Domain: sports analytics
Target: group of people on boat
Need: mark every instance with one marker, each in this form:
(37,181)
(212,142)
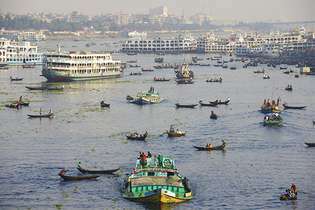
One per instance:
(214,80)
(274,116)
(143,158)
(210,146)
(137,135)
(290,194)
(17,104)
(271,104)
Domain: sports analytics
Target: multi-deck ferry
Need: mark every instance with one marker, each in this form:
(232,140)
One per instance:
(74,66)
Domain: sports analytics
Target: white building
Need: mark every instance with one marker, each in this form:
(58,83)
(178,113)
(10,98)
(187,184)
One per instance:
(178,44)
(15,53)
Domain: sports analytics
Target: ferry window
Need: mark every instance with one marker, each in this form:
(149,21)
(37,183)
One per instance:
(151,173)
(170,173)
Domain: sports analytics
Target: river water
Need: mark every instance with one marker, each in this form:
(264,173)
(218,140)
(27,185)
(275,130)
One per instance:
(258,165)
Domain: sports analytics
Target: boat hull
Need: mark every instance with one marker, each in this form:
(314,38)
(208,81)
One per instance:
(54,76)
(159,196)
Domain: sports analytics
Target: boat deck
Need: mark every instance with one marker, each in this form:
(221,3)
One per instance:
(156,180)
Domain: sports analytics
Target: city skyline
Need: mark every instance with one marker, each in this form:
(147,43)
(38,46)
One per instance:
(242,10)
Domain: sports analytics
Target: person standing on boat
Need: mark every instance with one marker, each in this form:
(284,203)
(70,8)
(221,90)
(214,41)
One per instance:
(293,189)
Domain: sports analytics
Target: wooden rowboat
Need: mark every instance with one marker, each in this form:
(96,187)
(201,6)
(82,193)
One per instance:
(16,79)
(219,102)
(136,136)
(208,104)
(75,178)
(88,171)
(48,115)
(310,144)
(293,107)
(13,106)
(221,147)
(185,105)
(103,104)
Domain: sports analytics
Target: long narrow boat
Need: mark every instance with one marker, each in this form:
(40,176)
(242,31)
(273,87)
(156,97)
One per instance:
(208,104)
(220,147)
(16,79)
(45,88)
(157,79)
(156,180)
(293,107)
(13,106)
(35,87)
(75,178)
(103,104)
(89,171)
(226,102)
(136,136)
(48,115)
(185,105)
(310,144)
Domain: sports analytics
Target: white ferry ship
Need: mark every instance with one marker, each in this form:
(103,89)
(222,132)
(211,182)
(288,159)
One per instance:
(74,66)
(15,53)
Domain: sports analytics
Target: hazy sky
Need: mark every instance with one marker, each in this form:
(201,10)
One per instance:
(248,10)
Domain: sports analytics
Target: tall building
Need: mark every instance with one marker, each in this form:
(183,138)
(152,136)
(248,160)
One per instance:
(159,11)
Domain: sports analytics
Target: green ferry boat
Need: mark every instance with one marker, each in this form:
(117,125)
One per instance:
(156,180)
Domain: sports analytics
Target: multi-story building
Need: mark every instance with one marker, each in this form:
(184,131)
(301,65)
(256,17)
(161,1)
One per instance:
(15,53)
(178,44)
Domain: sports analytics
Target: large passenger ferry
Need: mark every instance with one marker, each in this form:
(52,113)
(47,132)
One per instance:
(73,66)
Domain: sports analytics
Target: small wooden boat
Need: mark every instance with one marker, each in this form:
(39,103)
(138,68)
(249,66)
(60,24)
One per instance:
(289,88)
(161,79)
(63,175)
(36,87)
(134,66)
(293,107)
(219,102)
(45,88)
(135,73)
(136,136)
(129,98)
(220,147)
(287,196)
(103,104)
(13,105)
(174,133)
(16,79)
(185,105)
(48,115)
(208,104)
(147,70)
(214,80)
(55,88)
(310,144)
(259,71)
(185,81)
(89,171)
